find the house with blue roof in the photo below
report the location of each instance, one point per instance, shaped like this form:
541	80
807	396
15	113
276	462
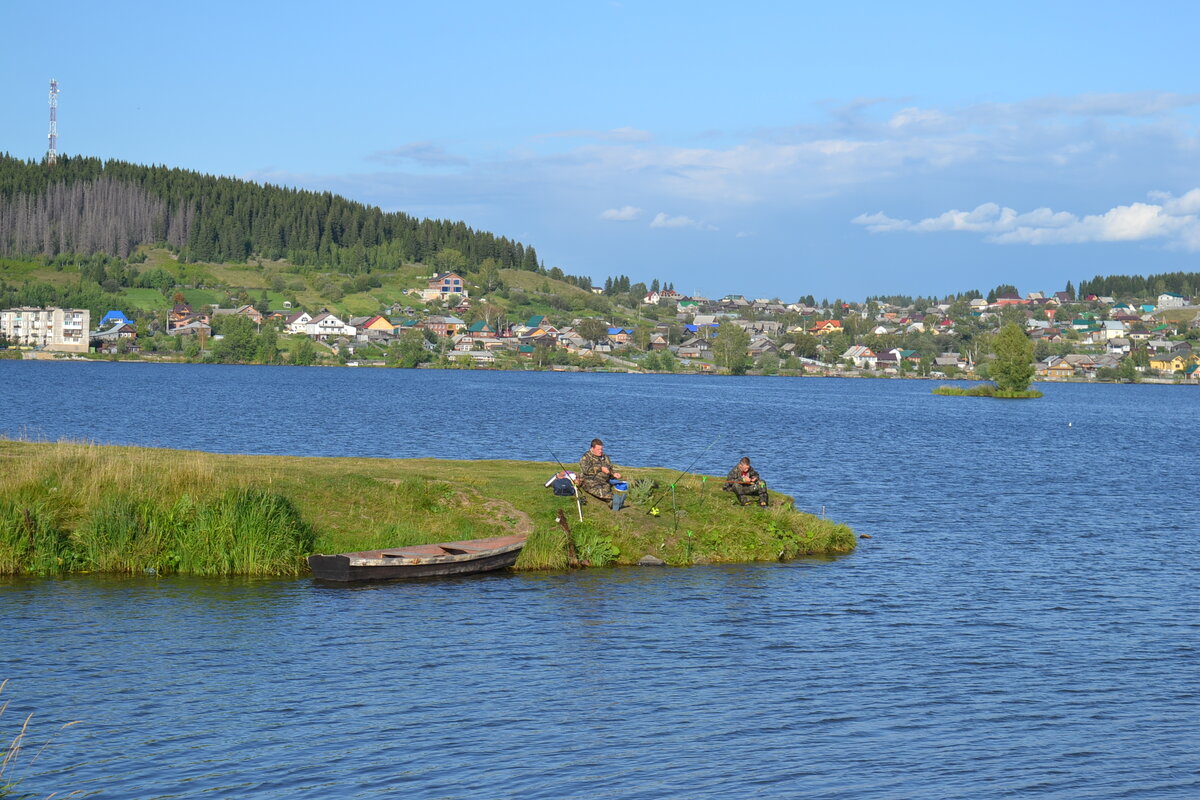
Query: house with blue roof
114	317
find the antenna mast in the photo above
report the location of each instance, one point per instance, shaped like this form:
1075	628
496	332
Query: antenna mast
52	152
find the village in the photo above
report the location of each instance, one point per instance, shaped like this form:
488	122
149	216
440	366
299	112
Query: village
1089	338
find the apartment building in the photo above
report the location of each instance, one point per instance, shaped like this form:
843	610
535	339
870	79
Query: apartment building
63	329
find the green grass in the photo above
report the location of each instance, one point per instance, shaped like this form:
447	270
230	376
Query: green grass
986	390
203	297
533	282
147	299
83	507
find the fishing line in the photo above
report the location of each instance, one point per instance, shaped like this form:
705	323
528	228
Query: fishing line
695	461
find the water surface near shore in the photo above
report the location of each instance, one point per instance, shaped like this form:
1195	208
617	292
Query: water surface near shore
1022	620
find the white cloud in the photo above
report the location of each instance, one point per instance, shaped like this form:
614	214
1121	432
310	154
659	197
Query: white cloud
1174	220
662	220
622	214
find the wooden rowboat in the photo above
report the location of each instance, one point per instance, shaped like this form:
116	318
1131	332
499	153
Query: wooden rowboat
419	560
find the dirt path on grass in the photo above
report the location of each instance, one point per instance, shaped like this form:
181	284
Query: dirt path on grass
500	512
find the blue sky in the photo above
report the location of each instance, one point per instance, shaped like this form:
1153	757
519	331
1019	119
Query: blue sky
770	149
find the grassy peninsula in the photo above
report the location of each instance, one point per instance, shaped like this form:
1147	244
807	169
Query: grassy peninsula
81	507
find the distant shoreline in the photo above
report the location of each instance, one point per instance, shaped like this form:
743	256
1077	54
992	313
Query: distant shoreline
74	358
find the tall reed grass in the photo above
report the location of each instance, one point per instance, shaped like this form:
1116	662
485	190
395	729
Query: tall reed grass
80	507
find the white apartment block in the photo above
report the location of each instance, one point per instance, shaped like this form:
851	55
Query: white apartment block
65	329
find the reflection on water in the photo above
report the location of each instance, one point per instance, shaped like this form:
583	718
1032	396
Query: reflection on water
1021	623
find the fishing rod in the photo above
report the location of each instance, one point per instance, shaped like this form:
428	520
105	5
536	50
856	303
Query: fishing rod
671	485
574	487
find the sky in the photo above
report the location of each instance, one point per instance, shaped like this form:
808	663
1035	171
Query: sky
771	149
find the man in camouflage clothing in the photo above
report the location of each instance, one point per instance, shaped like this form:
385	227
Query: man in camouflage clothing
743	481
595	472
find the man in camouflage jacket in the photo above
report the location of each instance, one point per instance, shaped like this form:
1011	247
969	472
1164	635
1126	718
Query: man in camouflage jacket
743	480
595	471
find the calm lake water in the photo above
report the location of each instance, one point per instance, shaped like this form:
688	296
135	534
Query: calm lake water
1023	621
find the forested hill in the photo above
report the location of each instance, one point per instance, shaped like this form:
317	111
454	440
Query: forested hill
85	205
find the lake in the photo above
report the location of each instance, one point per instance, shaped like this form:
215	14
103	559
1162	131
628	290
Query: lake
1022	621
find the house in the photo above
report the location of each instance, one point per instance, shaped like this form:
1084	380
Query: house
111	318
379	323
481	329
465	342
182	314
862	356
1173	362
52	328
1171	300
1055	367
1120	345
192	328
443	285
325	326
760	345
620	336
107	339
824	327
248	311
298	322
949	360
443	326
1010	299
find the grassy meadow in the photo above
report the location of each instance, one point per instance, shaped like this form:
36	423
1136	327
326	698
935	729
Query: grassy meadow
82	507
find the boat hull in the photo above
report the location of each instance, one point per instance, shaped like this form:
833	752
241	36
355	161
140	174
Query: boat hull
421	561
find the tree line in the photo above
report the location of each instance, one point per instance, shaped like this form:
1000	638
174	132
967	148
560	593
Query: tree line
1142	286
86	205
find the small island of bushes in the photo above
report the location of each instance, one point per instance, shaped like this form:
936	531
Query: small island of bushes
1012	370
79	507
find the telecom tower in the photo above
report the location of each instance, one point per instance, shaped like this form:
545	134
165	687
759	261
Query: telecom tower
52	152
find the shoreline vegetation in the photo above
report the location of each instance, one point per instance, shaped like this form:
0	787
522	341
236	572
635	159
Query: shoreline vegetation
987	390
833	372
74	507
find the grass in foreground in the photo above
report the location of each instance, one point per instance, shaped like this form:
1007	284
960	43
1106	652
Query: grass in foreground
11	753
986	390
82	507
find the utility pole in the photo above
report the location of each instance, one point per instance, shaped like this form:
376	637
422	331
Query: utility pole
52	150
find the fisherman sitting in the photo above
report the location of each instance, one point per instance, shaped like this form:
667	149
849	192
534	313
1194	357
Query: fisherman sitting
599	478
743	481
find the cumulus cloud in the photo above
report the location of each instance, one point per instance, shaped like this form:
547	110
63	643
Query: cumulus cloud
662	220
423	153
1173	219
622	214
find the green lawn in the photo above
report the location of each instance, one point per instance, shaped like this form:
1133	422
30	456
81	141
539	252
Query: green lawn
203	297
146	299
